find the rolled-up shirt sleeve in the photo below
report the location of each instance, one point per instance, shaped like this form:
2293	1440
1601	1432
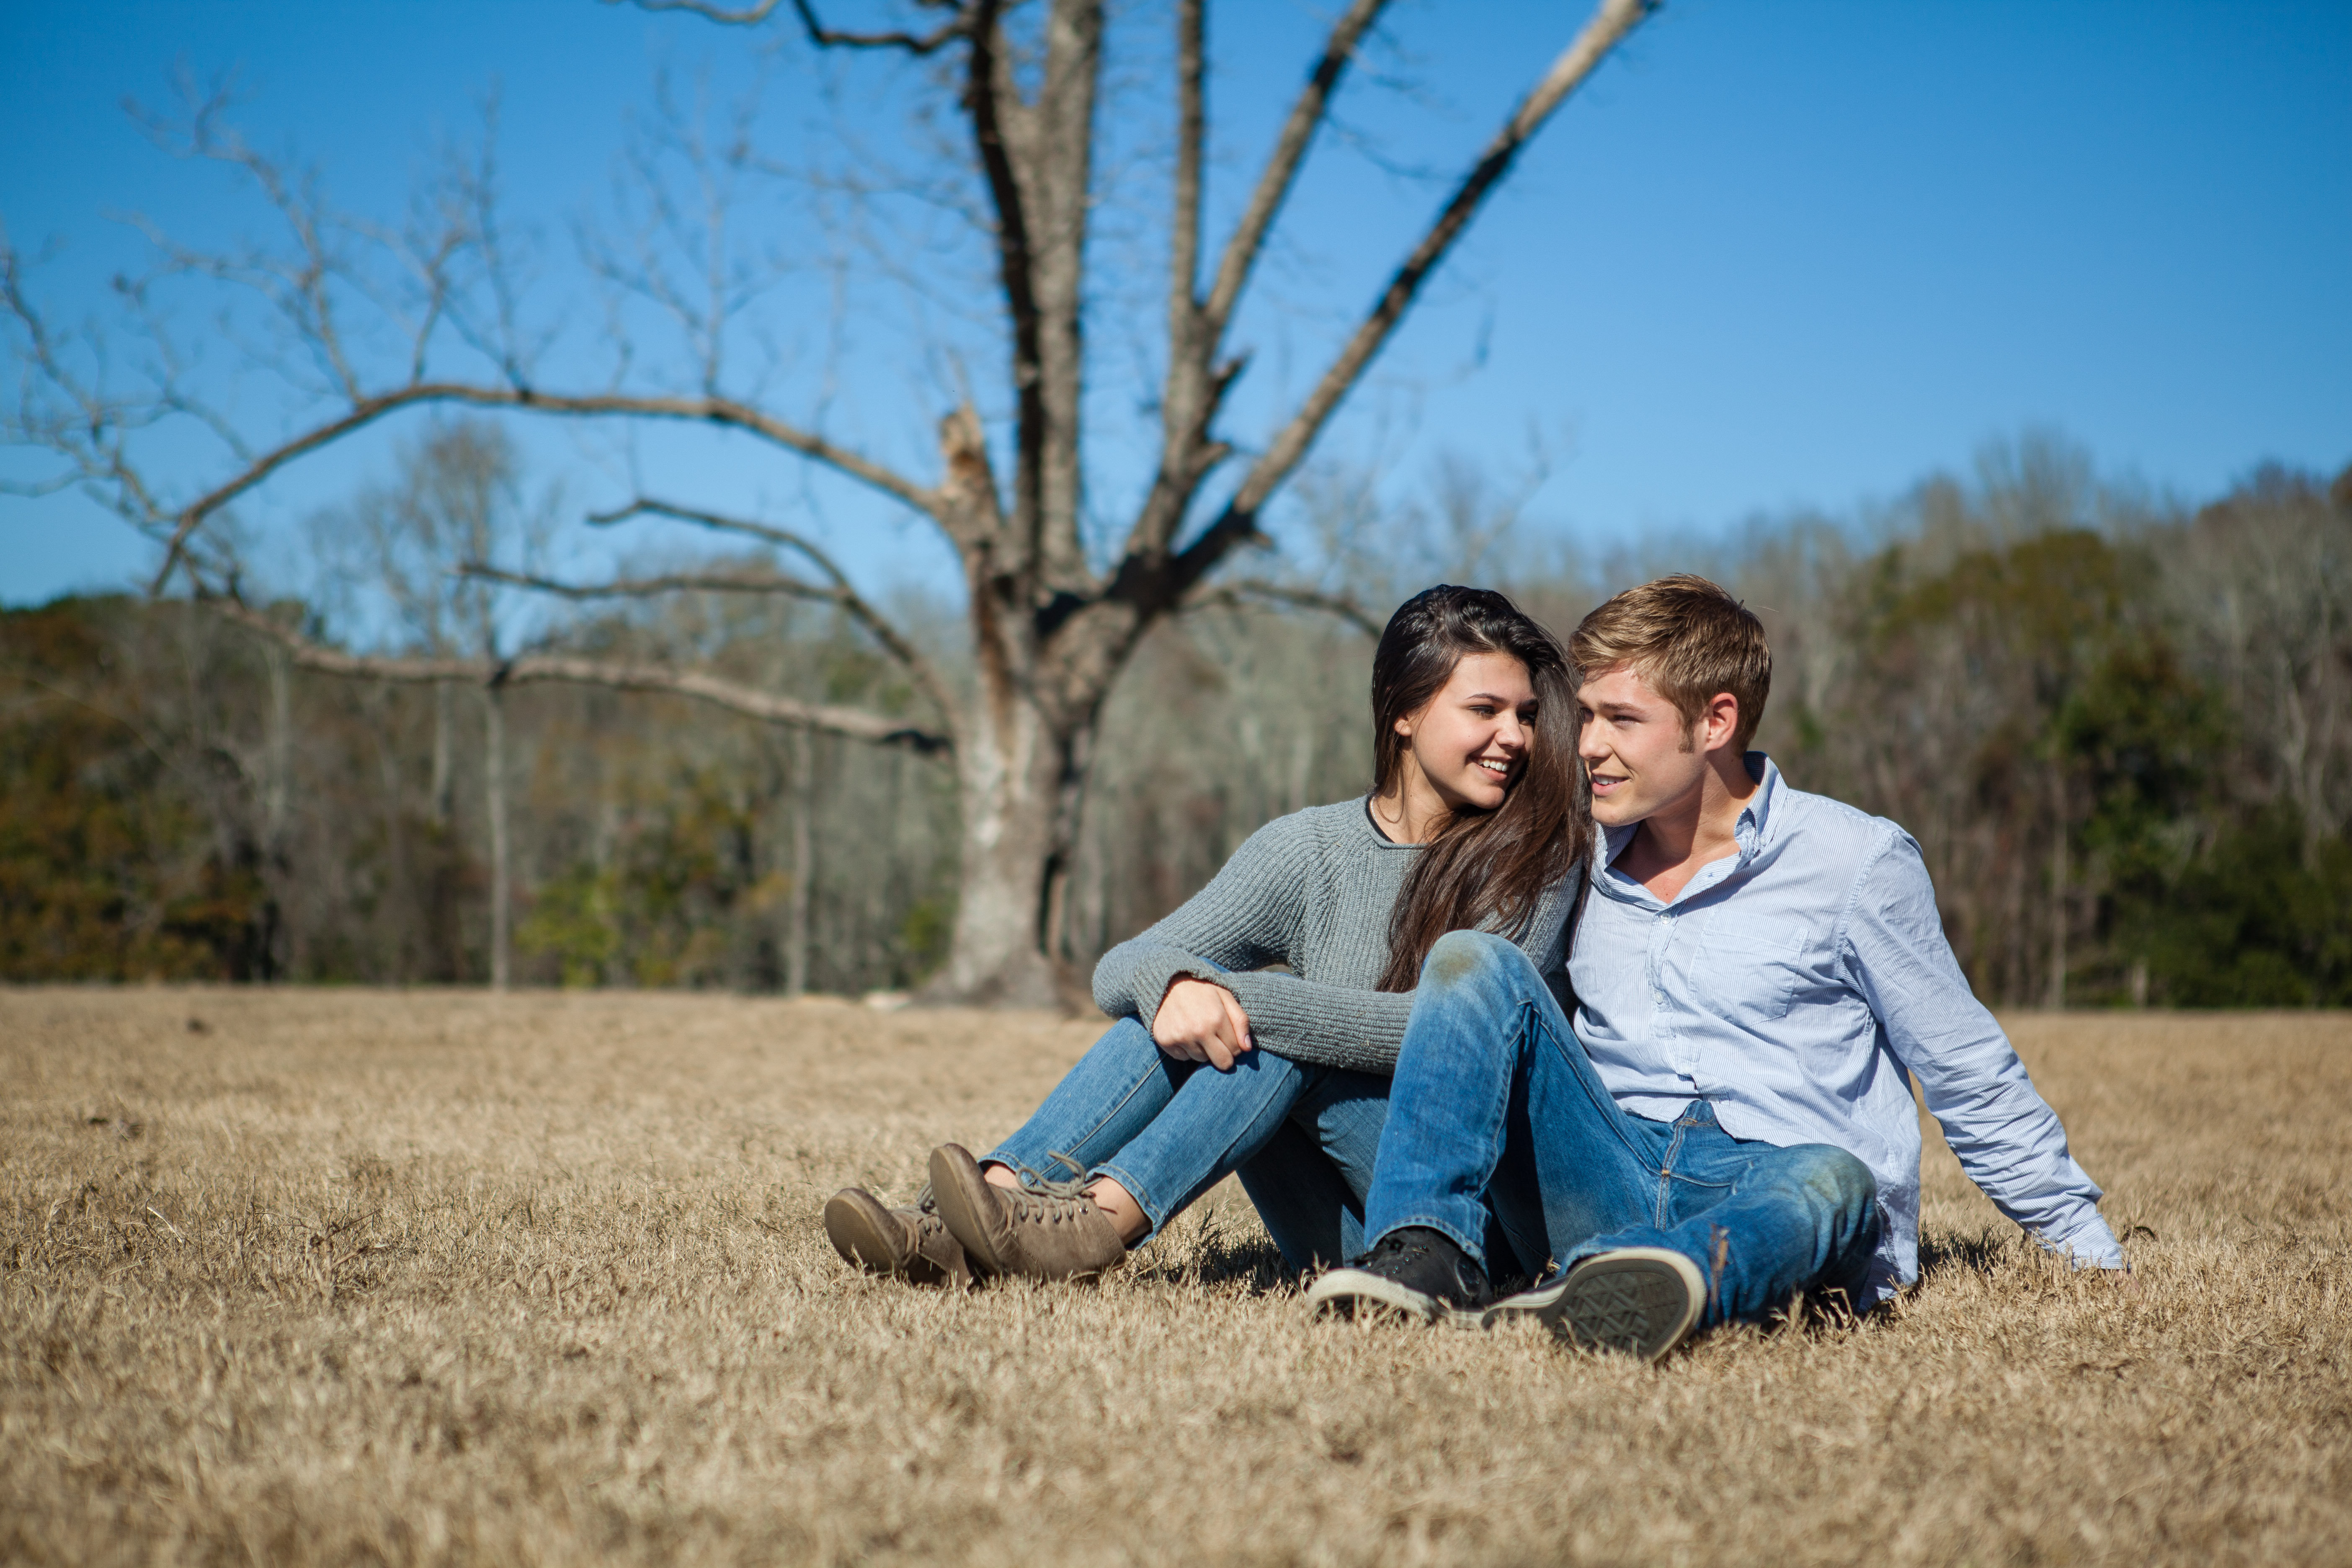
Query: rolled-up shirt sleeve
2008	1139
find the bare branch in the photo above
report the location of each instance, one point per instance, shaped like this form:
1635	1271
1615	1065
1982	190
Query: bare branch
1609	23
710	410
896	643
852	723
1195	383
826	38
1191	133
856	724
748	16
1058	167
302	286
988	83
649	587
327	660
1234	595
1282	165
820	35
644	506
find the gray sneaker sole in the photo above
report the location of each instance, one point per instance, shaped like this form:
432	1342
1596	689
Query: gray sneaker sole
1642	1301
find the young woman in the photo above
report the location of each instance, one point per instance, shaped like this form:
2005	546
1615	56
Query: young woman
1257	1024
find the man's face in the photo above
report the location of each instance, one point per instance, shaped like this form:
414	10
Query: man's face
1636	750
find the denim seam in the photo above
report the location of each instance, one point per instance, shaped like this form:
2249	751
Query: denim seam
1158	1212
1664	1205
1491	1127
1614	1116
1104	1121
1498	1110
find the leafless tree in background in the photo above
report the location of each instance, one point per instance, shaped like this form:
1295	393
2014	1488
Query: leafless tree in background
1050	630
2267	576
457	500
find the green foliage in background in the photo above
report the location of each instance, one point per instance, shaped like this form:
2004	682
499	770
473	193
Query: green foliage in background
2257	917
106	870
2122	735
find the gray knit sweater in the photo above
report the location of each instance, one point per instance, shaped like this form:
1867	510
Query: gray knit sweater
1312	890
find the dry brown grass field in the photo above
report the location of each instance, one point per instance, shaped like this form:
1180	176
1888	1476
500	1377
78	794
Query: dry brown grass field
294	1276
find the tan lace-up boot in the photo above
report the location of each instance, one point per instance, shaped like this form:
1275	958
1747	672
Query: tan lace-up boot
1050	1230
910	1243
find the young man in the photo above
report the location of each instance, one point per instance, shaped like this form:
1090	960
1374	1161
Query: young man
1727	1122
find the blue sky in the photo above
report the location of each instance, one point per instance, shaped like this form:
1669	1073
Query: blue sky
1775	256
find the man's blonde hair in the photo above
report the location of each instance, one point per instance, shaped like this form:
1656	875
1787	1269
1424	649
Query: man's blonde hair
1689	639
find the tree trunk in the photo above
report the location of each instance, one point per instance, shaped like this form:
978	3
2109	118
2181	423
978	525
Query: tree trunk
1017	779
494	771
280	957
2059	878
439	792
796	908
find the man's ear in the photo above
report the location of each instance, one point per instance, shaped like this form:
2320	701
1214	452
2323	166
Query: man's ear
1720	722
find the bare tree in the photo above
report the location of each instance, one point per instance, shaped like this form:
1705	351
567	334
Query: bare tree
2266	576
1050	629
458	502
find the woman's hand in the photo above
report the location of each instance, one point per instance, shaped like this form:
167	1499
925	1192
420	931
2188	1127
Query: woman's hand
1198	1021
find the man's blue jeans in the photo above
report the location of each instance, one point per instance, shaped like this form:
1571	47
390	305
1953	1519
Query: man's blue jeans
1495	1107
1302	1137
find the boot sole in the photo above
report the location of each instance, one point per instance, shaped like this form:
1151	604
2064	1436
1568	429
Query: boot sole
1642	1301
864	1232
954	1176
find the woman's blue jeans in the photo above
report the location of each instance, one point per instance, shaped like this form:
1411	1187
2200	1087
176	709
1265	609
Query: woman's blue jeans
1496	1108
1302	1137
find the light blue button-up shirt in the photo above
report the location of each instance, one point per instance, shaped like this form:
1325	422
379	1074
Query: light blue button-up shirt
1790	985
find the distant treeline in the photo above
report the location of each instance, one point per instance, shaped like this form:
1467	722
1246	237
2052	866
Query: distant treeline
2122	731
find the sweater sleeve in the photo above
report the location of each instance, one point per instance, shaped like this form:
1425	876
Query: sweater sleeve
1329	1025
1332	1026
1248	917
1252	914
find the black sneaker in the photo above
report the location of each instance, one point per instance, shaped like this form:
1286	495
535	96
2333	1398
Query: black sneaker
1413	1271
1644	1300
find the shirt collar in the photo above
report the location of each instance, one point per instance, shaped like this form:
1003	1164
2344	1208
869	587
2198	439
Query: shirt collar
1755	817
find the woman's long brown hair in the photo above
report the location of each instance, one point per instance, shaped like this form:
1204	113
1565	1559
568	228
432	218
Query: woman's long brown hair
1484	870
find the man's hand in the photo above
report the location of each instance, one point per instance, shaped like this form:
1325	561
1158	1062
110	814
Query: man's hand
1198	1021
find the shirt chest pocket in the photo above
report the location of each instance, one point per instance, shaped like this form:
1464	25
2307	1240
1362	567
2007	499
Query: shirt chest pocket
1748	968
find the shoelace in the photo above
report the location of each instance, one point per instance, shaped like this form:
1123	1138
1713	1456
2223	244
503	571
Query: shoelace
1037	1197
1042	1199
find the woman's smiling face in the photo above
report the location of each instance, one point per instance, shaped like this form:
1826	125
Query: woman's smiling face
1471	740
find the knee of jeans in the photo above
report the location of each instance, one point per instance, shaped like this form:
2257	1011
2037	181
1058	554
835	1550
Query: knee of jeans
1462	956
1842	1184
